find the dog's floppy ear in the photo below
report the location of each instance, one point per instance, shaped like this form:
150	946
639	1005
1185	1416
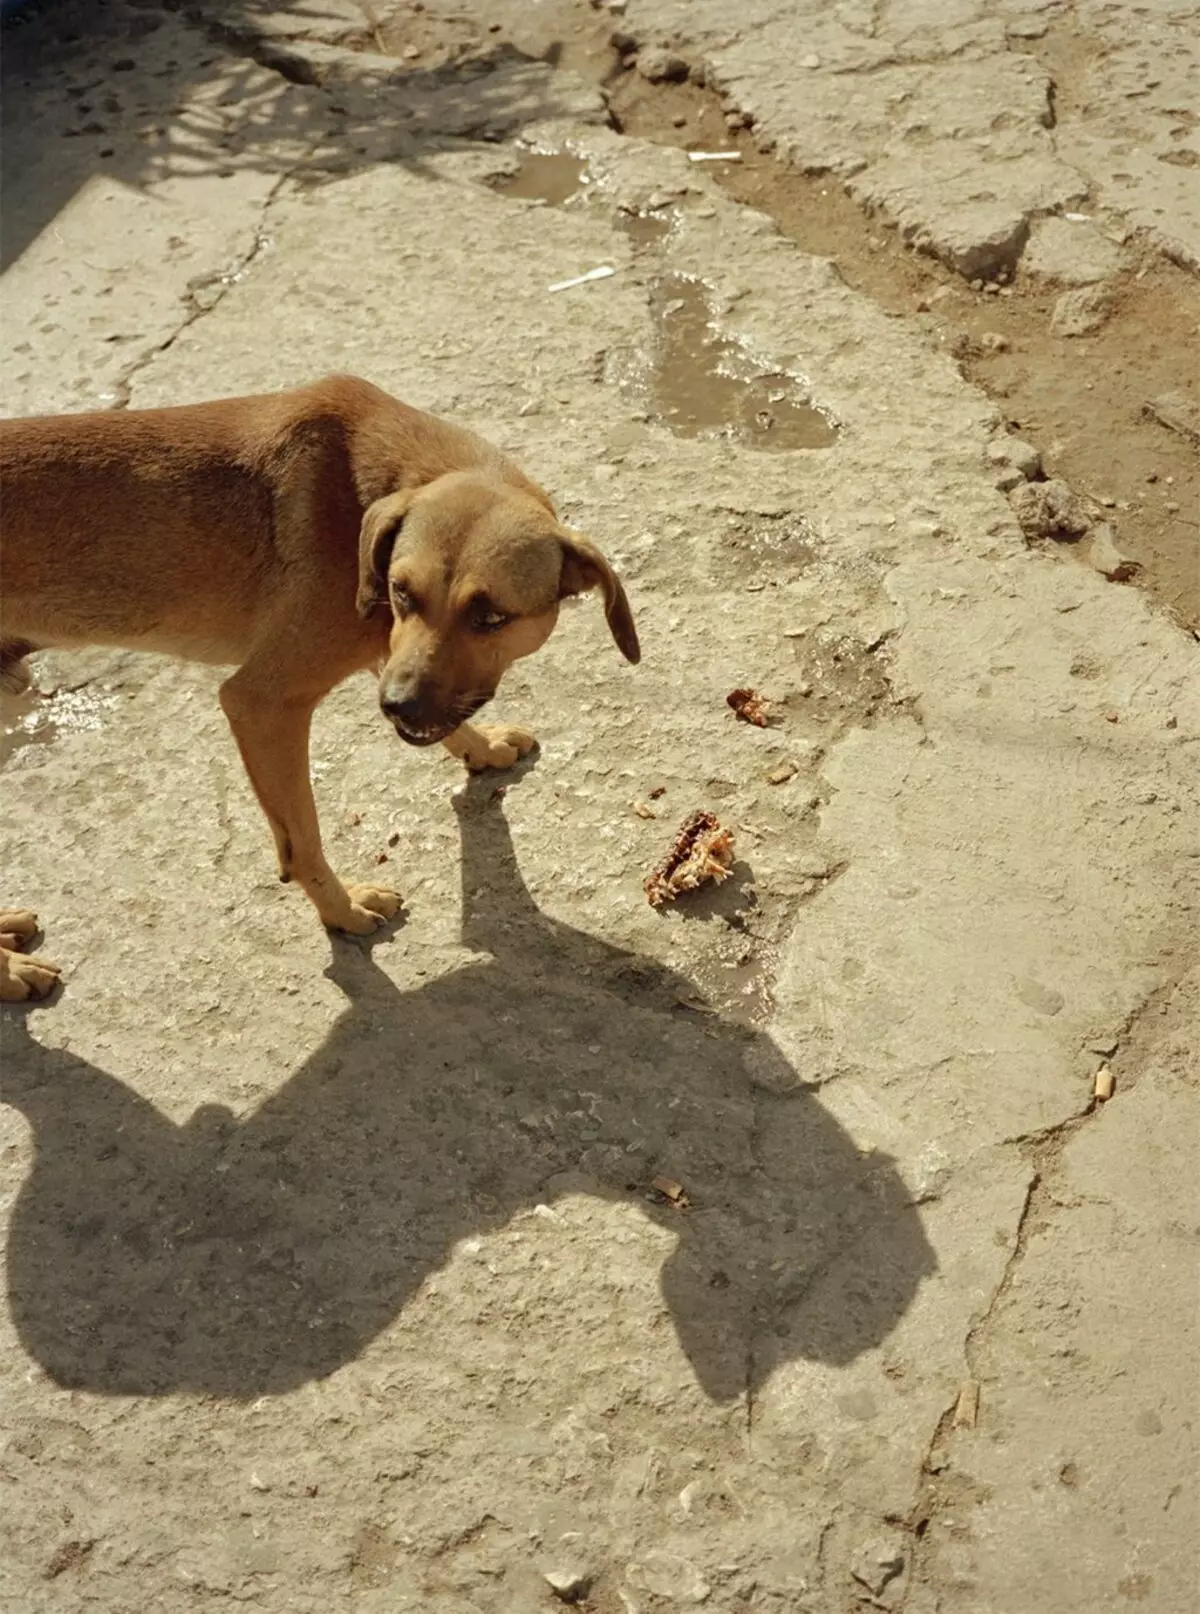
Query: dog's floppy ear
585	567
381	523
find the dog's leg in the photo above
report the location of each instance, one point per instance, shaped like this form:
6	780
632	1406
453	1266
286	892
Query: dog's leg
21	975
491	745
272	734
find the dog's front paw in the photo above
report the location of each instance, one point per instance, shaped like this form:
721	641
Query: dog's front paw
496	745
370	907
23	977
18	927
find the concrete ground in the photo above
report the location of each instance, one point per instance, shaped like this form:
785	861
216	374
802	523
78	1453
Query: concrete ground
336	1275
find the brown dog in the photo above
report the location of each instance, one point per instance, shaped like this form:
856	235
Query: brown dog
302	537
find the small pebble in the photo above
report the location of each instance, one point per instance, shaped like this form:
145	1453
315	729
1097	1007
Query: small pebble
568	1584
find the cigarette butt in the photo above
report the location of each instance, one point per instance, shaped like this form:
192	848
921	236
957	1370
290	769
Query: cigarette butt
1104	1084
691	1000
966	1408
602	273
714	156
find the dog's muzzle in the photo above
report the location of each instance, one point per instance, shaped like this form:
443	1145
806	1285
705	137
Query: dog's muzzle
408	717
411	722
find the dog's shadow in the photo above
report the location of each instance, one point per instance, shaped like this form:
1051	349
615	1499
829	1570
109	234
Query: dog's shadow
240	1258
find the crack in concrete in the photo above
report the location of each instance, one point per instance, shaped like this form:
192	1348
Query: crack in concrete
1043	1148
1035	1192
225	279
932	1498
827	1529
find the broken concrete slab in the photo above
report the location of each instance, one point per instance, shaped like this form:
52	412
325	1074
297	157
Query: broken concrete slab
85	209
330	22
1177	413
1104	555
1049	509
1070	252
1081	311
943	122
1136	84
905	114
1015	461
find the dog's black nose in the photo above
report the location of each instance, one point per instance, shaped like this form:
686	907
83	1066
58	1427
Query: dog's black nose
404	710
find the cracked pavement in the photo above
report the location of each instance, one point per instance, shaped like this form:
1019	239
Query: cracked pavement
335	1275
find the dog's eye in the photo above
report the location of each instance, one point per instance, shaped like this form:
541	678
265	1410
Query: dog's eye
402	600
488	620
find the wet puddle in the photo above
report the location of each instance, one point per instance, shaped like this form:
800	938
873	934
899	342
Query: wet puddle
545	176
554	177
35	719
24	720
843	681
644	229
767	546
700	387
701	383
738	984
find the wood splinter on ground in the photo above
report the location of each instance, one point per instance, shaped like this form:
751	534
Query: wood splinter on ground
750	706
702	851
672	1190
966	1408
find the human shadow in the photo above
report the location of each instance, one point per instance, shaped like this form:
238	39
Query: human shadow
245	1257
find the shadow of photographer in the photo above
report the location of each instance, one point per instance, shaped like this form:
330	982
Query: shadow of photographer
246	1257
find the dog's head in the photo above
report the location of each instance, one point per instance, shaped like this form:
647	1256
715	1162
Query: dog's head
473	569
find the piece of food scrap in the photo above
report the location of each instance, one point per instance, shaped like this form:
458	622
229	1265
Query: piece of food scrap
750	706
702	851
